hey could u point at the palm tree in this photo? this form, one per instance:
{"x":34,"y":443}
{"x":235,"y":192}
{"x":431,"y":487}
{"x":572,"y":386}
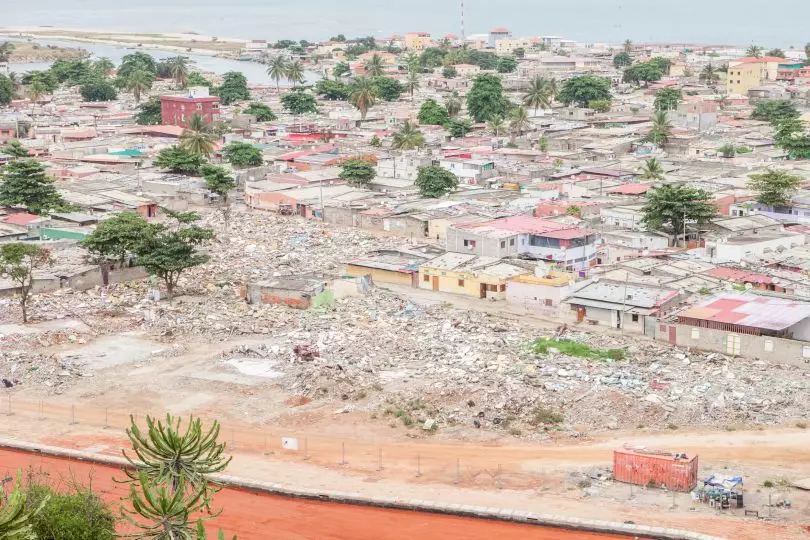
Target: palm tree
{"x":538,"y":95}
{"x":139,"y":82}
{"x":407,"y":138}
{"x":652,"y":170}
{"x":36,"y":90}
{"x":628,"y":46}
{"x":178,"y":69}
{"x":708,"y":74}
{"x":661,"y":129}
{"x":412,"y":62}
{"x":295,"y":72}
{"x":363,"y":96}
{"x":453,"y":104}
{"x":755,"y":51}
{"x":198,"y":137}
{"x":496,"y":125}
{"x":375,"y":66}
{"x":519,"y":120}
{"x":412,"y":84}
{"x":277,"y":69}
{"x":104,"y":66}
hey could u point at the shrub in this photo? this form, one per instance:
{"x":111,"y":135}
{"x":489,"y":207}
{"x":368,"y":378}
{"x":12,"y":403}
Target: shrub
{"x":543,"y":415}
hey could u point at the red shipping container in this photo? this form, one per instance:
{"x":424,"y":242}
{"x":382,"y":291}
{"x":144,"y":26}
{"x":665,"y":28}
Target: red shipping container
{"x":661,"y":470}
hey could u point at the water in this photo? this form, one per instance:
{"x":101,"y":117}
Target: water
{"x":775,"y":24}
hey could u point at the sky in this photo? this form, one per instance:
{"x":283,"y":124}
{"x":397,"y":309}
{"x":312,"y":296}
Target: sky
{"x":738,"y":22}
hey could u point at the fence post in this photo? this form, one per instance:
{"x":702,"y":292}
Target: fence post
{"x":9,"y":413}
{"x":306,"y":450}
{"x":343,"y":453}
{"x":498,"y":482}
{"x":41,"y":410}
{"x":458,"y":471}
{"x":106,"y":418}
{"x":379,"y":460}
{"x":418,"y":466}
{"x":72,"y":415}
{"x":233,"y":439}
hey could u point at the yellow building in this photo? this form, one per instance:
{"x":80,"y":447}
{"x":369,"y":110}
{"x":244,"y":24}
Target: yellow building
{"x":751,"y":72}
{"x":469,"y":275}
{"x":418,"y":41}
{"x":395,"y":266}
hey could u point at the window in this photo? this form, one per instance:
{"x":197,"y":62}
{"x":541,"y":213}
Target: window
{"x":503,"y":287}
{"x":461,"y":283}
{"x":511,"y":241}
{"x":695,"y":333}
{"x":426,"y":278}
{"x":503,"y":243}
{"x":548,"y":302}
{"x":635,"y":317}
{"x":469,"y":243}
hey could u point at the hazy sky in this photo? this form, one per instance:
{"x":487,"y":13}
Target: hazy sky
{"x":777,"y":23}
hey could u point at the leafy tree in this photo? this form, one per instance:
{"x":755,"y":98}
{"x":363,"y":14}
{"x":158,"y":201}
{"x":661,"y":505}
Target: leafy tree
{"x":449,"y":72}
{"x":98,"y":90}
{"x":661,"y":129}
{"x":459,"y":127}
{"x":6,"y":48}
{"x":486,"y":98}
{"x":375,"y":67}
{"x":295,"y":73}
{"x":388,"y":89}
{"x":539,"y":94}
{"x":178,"y":70}
{"x":664,"y":64}
{"x":6,"y":90}
{"x":645,"y":72}
{"x":46,"y":78}
{"x":727,"y":150}
{"x":73,"y":72}
{"x":496,"y":125}
{"x":139,"y":82}
{"x":432,"y":57}
{"x":114,"y":239}
{"x":340,"y":38}
{"x":79,"y":515}
{"x":407,"y":138}
{"x":179,"y":160}
{"x":791,"y":137}
{"x":26,"y":183}
{"x":262,"y":112}
{"x":628,"y":46}
{"x":412,"y":84}
{"x":432,"y":113}
{"x":507,"y":65}
{"x":600,"y":105}
{"x":358,"y":172}
{"x":574,"y":211}
{"x":363,"y":95}
{"x":774,"y":111}
{"x":652,"y":170}
{"x":542,"y":144}
{"x":14,"y":148}
{"x":198,"y":137}
{"x":240,"y":154}
{"x":277,"y":70}
{"x":196,"y":79}
{"x":218,"y":181}
{"x":332,"y":90}
{"x":709,"y":74}
{"x":755,"y":51}
{"x":375,"y":142}
{"x":622,"y":59}
{"x":434,"y":181}
{"x":453,"y":104}
{"x":341,"y":69}
{"x":137,"y":61}
{"x":779,"y":53}
{"x":671,"y":206}
{"x":520,"y":52}
{"x":774,"y":187}
{"x":667,"y":99}
{"x":298,"y":103}
{"x":15,"y":514}
{"x":19,"y":260}
{"x":35,"y":91}
{"x":233,"y":88}
{"x":583,"y":89}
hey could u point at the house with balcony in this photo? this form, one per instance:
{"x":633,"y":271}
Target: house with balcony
{"x":469,"y":171}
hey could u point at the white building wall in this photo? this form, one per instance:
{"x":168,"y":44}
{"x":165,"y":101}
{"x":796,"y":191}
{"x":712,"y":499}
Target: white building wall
{"x":720,"y":251}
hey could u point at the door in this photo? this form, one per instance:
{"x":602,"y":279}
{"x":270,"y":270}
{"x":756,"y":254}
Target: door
{"x":618,"y":320}
{"x":483,"y":290}
{"x":435,"y":283}
{"x":733,"y":344}
{"x":580,"y":314}
{"x":673,"y":337}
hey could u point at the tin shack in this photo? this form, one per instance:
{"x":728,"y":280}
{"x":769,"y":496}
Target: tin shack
{"x":655,"y":468}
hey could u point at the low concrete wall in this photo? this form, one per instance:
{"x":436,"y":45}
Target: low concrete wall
{"x":773,"y":349}
{"x":81,"y":281}
{"x":545,"y":520}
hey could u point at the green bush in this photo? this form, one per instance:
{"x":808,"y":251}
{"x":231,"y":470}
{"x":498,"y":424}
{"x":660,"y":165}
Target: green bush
{"x":543,"y":415}
{"x":81,"y":515}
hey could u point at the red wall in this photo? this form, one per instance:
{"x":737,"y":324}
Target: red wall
{"x":177,"y":111}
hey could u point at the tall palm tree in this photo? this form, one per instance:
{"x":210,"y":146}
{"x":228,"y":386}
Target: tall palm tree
{"x":538,"y":95}
{"x":628,"y":46}
{"x":519,"y":120}
{"x":497,"y":125}
{"x":754,"y":50}
{"x":412,"y":84}
{"x":553,"y":87}
{"x":375,"y":67}
{"x":708,"y":74}
{"x":198,"y":137}
{"x":277,"y":69}
{"x":295,"y":72}
{"x":139,"y":82}
{"x":407,"y":138}
{"x":36,"y":90}
{"x":178,"y":69}
{"x":453,"y":104}
{"x":104,"y":66}
{"x":363,"y":96}
{"x":661,"y":129}
{"x":652,"y":170}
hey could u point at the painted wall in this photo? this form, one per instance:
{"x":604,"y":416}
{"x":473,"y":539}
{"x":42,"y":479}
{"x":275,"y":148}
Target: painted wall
{"x":379,"y":275}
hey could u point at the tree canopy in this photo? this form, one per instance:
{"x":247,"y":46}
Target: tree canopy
{"x":262,"y":112}
{"x":75,"y":515}
{"x":661,"y":129}
{"x":774,"y":187}
{"x":363,"y":95}
{"x":485,"y":99}
{"x":667,"y":207}
{"x":388,"y":89}
{"x":14,"y":148}
{"x":407,"y":138}
{"x":179,"y":160}
{"x":432,"y":113}
{"x":358,"y":172}
{"x":19,"y":260}
{"x":622,"y":59}
{"x":137,"y":61}
{"x":240,"y":154}
{"x":434,"y":181}
{"x":98,"y":90}
{"x":643,"y":72}
{"x":218,"y":181}
{"x":233,"y":88}
{"x":298,"y":103}
{"x":332,"y":90}
{"x":792,"y":137}
{"x":26,"y":183}
{"x":459,"y":127}
{"x":149,"y":113}
{"x":667,"y":99}
{"x":507,"y":65}
{"x":6,"y":90}
{"x":774,"y":111}
{"x":583,"y":89}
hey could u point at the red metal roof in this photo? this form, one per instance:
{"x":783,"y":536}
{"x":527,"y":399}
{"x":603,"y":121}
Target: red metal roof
{"x":21,"y":219}
{"x":760,"y":60}
{"x":738,"y":275}
{"x":630,"y":189}
{"x":749,"y":310}
{"x":301,"y":153}
{"x":535,"y":226}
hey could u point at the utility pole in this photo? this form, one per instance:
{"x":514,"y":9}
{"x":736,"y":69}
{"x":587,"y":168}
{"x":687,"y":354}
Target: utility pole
{"x":463,"y":36}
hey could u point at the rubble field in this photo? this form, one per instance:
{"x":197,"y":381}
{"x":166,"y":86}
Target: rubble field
{"x":406,"y":363}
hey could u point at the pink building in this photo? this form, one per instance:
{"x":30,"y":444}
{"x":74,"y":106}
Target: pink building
{"x":178,"y":110}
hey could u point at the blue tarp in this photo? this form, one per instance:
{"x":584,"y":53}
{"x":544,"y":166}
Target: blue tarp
{"x":723,"y":481}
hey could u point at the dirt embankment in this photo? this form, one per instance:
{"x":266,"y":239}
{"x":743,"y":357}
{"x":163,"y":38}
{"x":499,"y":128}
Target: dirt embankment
{"x":35,"y":52}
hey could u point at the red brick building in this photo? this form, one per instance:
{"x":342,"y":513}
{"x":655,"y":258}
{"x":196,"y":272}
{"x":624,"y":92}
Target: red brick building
{"x":177,"y":110}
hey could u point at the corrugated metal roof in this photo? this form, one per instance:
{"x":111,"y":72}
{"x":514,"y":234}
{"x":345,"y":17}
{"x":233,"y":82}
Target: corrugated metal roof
{"x":751,"y":310}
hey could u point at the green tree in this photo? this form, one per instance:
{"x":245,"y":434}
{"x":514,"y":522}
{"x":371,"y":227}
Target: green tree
{"x":755,"y":51}
{"x":774,"y":111}
{"x":240,"y":154}
{"x":432,"y":57}
{"x":519,"y":120}
{"x":341,"y":69}
{"x":375,"y":142}
{"x":459,"y":127}
{"x":14,"y":148}
{"x":652,"y":170}
{"x":622,"y":59}
{"x":774,"y":187}
{"x":496,"y":125}
{"x":574,"y":211}
{"x":198,"y":137}
{"x":807,"y":51}
{"x":262,"y":112}
{"x":672,"y":206}
{"x":661,"y":129}
{"x":6,"y":90}
{"x":709,"y":74}
{"x":792,"y":137}
{"x":98,"y":90}
{"x":388,"y":89}
{"x":375,"y":67}
{"x":15,"y":514}
{"x":77,"y":515}
{"x":600,"y":105}
{"x":727,"y":150}
{"x":485,"y":99}
{"x":434,"y":181}
{"x":643,"y":72}
{"x":332,"y":90}
{"x":628,"y":46}
{"x":218,"y":181}
{"x":26,"y":183}
{"x":137,"y":61}
{"x":358,"y":172}
{"x":114,"y":239}
{"x":412,"y":84}
{"x":583,"y":89}
{"x":46,"y":78}
{"x":432,"y":113}
{"x":453,"y":104}
{"x":520,"y":52}
{"x":363,"y":95}
{"x":538,"y":95}
{"x":179,"y":160}
{"x":449,"y":72}
{"x":19,"y":260}
{"x":178,"y":70}
{"x":73,"y":72}
{"x":35,"y":91}
{"x":778,"y":53}
{"x":103,"y":67}
{"x":298,"y":103}
{"x":233,"y":88}
{"x":138,"y":82}
{"x":6,"y":48}
{"x":407,"y":138}
{"x":196,"y":79}
{"x":667,"y":99}
{"x":507,"y":65}
{"x":295,"y":73}
{"x":664,"y":64}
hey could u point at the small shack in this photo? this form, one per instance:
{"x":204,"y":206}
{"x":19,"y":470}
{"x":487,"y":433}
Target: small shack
{"x":655,"y":468}
{"x":292,"y":292}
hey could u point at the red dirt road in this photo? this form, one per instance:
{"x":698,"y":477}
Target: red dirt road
{"x":259,"y":516}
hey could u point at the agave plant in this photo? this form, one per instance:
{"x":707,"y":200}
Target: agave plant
{"x":15,"y":518}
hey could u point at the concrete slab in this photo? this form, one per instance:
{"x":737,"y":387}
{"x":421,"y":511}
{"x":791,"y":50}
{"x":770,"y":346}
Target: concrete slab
{"x":111,"y":351}
{"x":58,"y":325}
